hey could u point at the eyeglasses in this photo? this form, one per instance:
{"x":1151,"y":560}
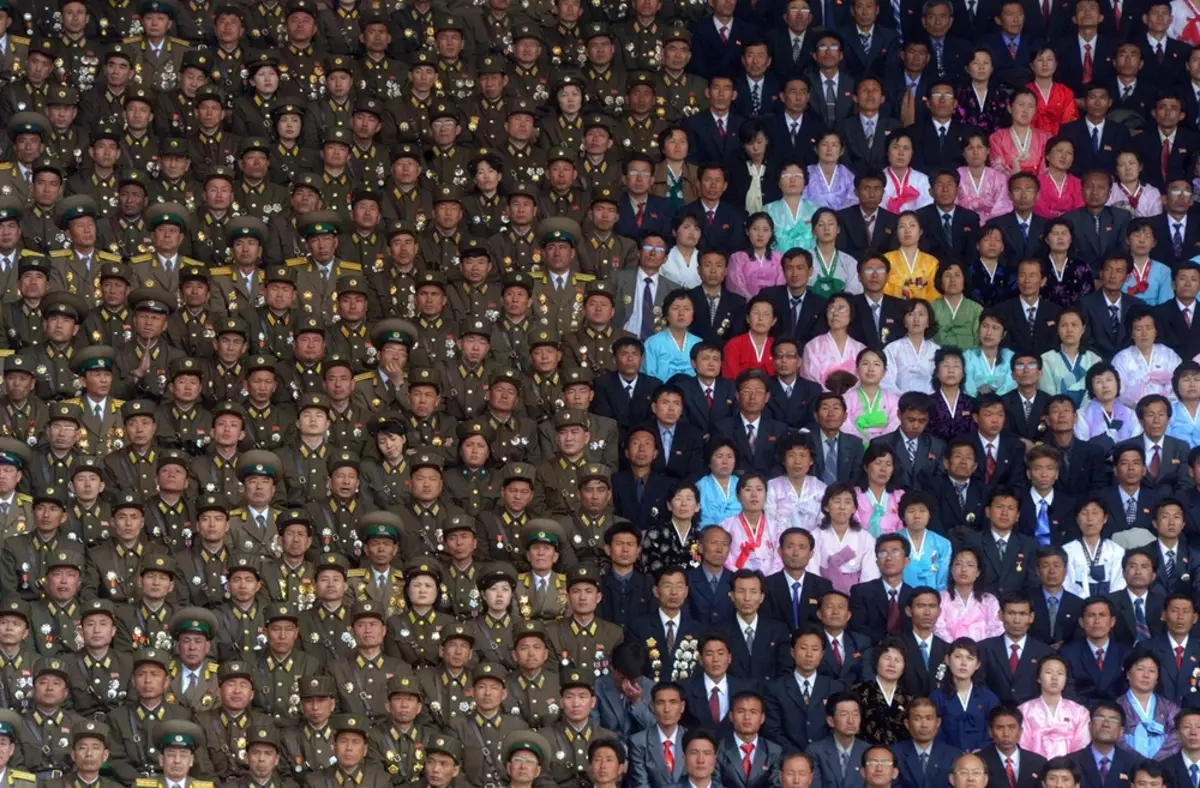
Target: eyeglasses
{"x":800,"y":11}
{"x":941,"y":94}
{"x":787,"y":355}
{"x":1107,"y":720}
{"x":639,"y":173}
{"x":875,"y":270}
{"x":1180,"y":192}
{"x":792,"y":176}
{"x":652,"y":248}
{"x":893,"y":553}
{"x":1025,"y":367}
{"x":829,"y":47}
{"x":971,"y":772}
{"x":875,"y":763}
{"x":524,"y":760}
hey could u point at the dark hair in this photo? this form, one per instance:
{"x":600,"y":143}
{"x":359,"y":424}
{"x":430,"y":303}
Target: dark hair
{"x":833,"y":490}
{"x":916,"y":498}
{"x":911,"y":306}
{"x":1096,"y":600}
{"x":1151,"y":399}
{"x":884,"y":645}
{"x":945,"y":266}
{"x":941,"y":354}
{"x":607,"y":743}
{"x":716,"y":442}
{"x":1136,"y":656}
{"x":833,"y":701}
{"x":755,"y":217}
{"x":979,"y":588}
{"x":898,"y":539}
{"x":630,"y":661}
{"x":1005,"y":711}
{"x":971,"y":647}
{"x":874,"y":452}
{"x":1050,"y":551}
{"x":1097,"y":369}
{"x":750,"y":476}
{"x":700,"y":734}
{"x":678,"y":294}
{"x":915,"y":400}
{"x":625,"y":342}
{"x":1149,"y":555}
{"x":697,"y":349}
{"x":797,"y":531}
{"x":1187,"y":367}
{"x":1062,"y":763}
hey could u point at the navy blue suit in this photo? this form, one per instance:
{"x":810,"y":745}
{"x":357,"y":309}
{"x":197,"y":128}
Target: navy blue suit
{"x":1114,"y":138}
{"x":764,"y":456}
{"x":772,"y":648}
{"x":769,"y":90}
{"x":1122,"y":766}
{"x":613,"y":400}
{"x":729,"y":321}
{"x":1148,"y":146}
{"x":1012,"y":690}
{"x":1002,"y":58}
{"x":725,"y":232}
{"x":707,"y":142}
{"x":1060,"y":512}
{"x":778,"y":604}
{"x":796,"y":410}
{"x":1066,"y":624}
{"x":1070,"y":63}
{"x":812,"y":314}
{"x":695,"y":405}
{"x":687,"y":452}
{"x":857,"y":664}
{"x":651,"y":626}
{"x":628,"y":600}
{"x":658,"y":488}
{"x":705,"y":605}
{"x":869,"y":608}
{"x":697,"y":714}
{"x":712,"y":56}
{"x":779,"y":132}
{"x":656,"y":217}
{"x":1092,"y":682}
{"x":791,"y":722}
{"x":1174,"y":682}
{"x":936,"y":772}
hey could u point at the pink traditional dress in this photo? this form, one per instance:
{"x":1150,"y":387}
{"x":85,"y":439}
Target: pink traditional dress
{"x":822,"y":358}
{"x":795,"y":509}
{"x":879,"y":515}
{"x":905,"y":194}
{"x":1054,"y":200}
{"x":748,"y":275}
{"x":753,"y":546}
{"x":1054,"y":733}
{"x":987,"y":197}
{"x":1185,"y":22}
{"x":871,"y":417}
{"x":975,"y":618}
{"x":1054,"y":108}
{"x":846,"y":561}
{"x":1006,"y":145}
{"x":1143,"y":201}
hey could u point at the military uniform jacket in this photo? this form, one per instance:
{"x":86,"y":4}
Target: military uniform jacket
{"x":139,"y":152}
{"x":402,"y":753}
{"x":372,"y":776}
{"x":485,"y":216}
{"x":102,"y":190}
{"x":209,"y":151}
{"x":189,"y":430}
{"x":265,"y":200}
{"x":55,"y":627}
{"x":436,"y":341}
{"x":592,"y":349}
{"x":365,"y":248}
{"x":317,"y":294}
{"x":21,"y":95}
{"x":192,"y":332}
{"x":154,"y":384}
{"x":362,"y":684}
{"x":585,"y":535}
{"x":573,"y":204}
{"x":474,"y":491}
{"x":602,"y":446}
{"x":13,"y":183}
{"x":174,"y":115}
{"x":93,"y":521}
{"x":157,"y":69}
{"x":140,"y":627}
{"x":50,"y":468}
{"x":111,"y":572}
{"x":513,"y":250}
{"x":353,"y":343}
{"x":415,"y":638}
{"x":135,"y":753}
{"x":494,"y":639}
{"x":171,"y":523}
{"x":45,"y":740}
{"x":16,"y":676}
{"x":68,"y":146}
{"x":39,"y":230}
{"x":55,"y":380}
{"x":482,"y":300}
{"x":202,"y":695}
{"x":327,"y":634}
{"x":466,"y":390}
{"x":305,"y":749}
{"x":249,"y":536}
{"x":307,"y":470}
{"x":240,"y":631}
{"x":500,"y":530}
{"x":547,"y":604}
{"x":287,"y":161}
{"x":251,"y":118}
{"x":527,"y":163}
{"x":563,"y":133}
{"x":270,"y":333}
{"x":24,"y":422}
{"x":80,"y":274}
{"x":373,"y":393}
{"x":277,"y":684}
{"x":535,"y":698}
{"x":21,"y":562}
{"x":105,"y":327}
{"x":516,"y":439}
{"x":226,"y":738}
{"x":542,"y":395}
{"x":22,"y":323}
{"x":510,"y":342}
{"x":414,"y":206}
{"x":556,"y":491}
{"x":131,"y":234}
{"x":335,"y":522}
{"x":235,"y":293}
{"x":186,"y":191}
{"x":103,"y":435}
{"x":271,"y":427}
{"x":606,"y":172}
{"x":389,"y":485}
{"x":217,"y":475}
{"x":384,"y":589}
{"x":588,"y":647}
{"x":130,"y":470}
{"x":199,"y":576}
{"x":382,"y":79}
{"x":569,"y":751}
{"x":483,"y":756}
{"x":447,"y":697}
{"x":641,"y":136}
{"x":285,"y":583}
{"x":98,"y":686}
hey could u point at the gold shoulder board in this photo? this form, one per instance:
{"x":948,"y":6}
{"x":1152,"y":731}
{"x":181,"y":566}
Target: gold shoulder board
{"x":16,"y":775}
{"x":222,"y":271}
{"x":56,"y":254}
{"x":358,"y":573}
{"x":141,"y":258}
{"x":107,"y":257}
{"x":362,"y":377}
{"x":296,"y":261}
{"x":352,"y":266}
{"x":585,"y":277}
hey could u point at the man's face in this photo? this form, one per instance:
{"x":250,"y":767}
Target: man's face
{"x":700,"y":756}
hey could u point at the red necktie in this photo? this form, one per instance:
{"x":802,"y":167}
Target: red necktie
{"x":721,"y":128}
{"x":1012,"y":49}
{"x":669,"y":756}
{"x":893,"y":614}
{"x":1087,"y":63}
{"x":1008,"y":770}
{"x":747,"y":750}
{"x":990,"y":466}
{"x":1100,"y":658}
{"x":1117,"y":13}
{"x":1166,"y":156}
{"x":708,"y":395}
{"x":1046,"y":12}
{"x":1155,"y":462}
{"x":1178,"y":657}
{"x":714,"y":705}
{"x":837,"y":653}
{"x":641,"y":211}
{"x":724,"y":34}
{"x":711,"y":215}
{"x":1014,"y":659}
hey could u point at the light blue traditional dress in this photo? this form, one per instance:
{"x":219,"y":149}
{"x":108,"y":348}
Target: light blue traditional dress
{"x":1150,"y":731}
{"x":981,"y":372}
{"x":666,"y":357}
{"x":1152,"y":284}
{"x":928,"y":565}
{"x":792,"y":229}
{"x":717,"y":504}
{"x":1064,"y":375}
{"x":1185,"y":425}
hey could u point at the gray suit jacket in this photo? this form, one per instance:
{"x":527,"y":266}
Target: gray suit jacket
{"x":627,"y":291}
{"x":828,"y":771}
{"x":616,"y":714}
{"x":648,"y":767}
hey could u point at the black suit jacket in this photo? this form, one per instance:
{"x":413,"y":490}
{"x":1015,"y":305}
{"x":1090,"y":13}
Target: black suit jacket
{"x":687,"y":452}
{"x":772,"y":655}
{"x":1126,"y":628}
{"x":950,"y":513}
{"x":1016,"y":571}
{"x":764,"y":456}
{"x":790,"y":721}
{"x":935,"y":152}
{"x":857,"y":664}
{"x":1149,"y":146}
{"x":849,"y":455}
{"x":862,"y":325}
{"x":730,"y":319}
{"x":724,"y":232}
{"x":1187,"y":562}
{"x":658,"y":489}
{"x":1018,"y":245}
{"x":613,"y":401}
{"x":1066,"y":625}
{"x":1174,"y":682}
{"x":695,"y":405}
{"x":1070,"y":62}
{"x":1101,"y":336}
{"x":627,"y":601}
{"x":1113,"y":224}
{"x":1172,"y":477}
{"x":1029,"y":43}
{"x":860,"y":156}
{"x":1012,"y":690}
{"x":1085,"y":468}
{"x":869,"y":608}
{"x":1010,"y":461}
{"x":779,"y":133}
{"x":650,"y":626}
{"x":1033,"y":428}
{"x":919,"y":677}
{"x":697,"y":713}
{"x":885,"y":46}
{"x":1089,"y":679}
{"x":1172,"y":71}
{"x":769,"y":92}
{"x":853,"y":238}
{"x":1043,"y":335}
{"x":1174,"y":330}
{"x":703,"y":605}
{"x":778,"y":604}
{"x":707,"y":142}
{"x":956,"y":51}
{"x":961,"y":244}
{"x":1141,"y":100}
{"x":1114,"y":137}
{"x":1032,"y":766}
{"x":779,"y":44}
{"x":1147,"y":500}
{"x":712,"y":56}
{"x":1123,"y":764}
{"x":796,"y":410}
{"x":1164,"y":229}
{"x":928,"y":465}
{"x":812,"y":314}
{"x":1176,"y":771}
{"x":1060,"y":512}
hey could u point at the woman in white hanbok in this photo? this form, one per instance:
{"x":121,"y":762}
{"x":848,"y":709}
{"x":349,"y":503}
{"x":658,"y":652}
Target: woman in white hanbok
{"x":1093,"y":562}
{"x":910,"y":358}
{"x":1145,"y":367}
{"x":795,"y":498}
{"x":683,"y":261}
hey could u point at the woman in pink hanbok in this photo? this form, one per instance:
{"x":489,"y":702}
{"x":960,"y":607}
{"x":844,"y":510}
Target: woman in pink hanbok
{"x":1129,"y":192}
{"x":982,"y":189}
{"x":1145,"y":367}
{"x":967,"y":610}
{"x":1059,"y":191}
{"x":1020,"y":147}
{"x":754,"y":538}
{"x":1056,"y":101}
{"x":878,"y":502}
{"x":871,"y":411}
{"x":843,"y":553}
{"x":1054,"y":726}
{"x":830,"y":184}
{"x":794,"y":499}
{"x":833,"y":351}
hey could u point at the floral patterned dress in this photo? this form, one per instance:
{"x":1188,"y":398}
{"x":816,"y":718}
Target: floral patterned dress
{"x":665,"y":545}
{"x":795,"y":509}
{"x":1067,"y":285}
{"x":989,"y":288}
{"x":988,"y":113}
{"x":949,"y":420}
{"x":883,"y":722}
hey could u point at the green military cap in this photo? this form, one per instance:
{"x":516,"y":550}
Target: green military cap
{"x":343,"y":459}
{"x":186,"y":366}
{"x":504,"y":375}
{"x":73,"y":207}
{"x":430,"y":278}
{"x":400,"y":227}
{"x":601,"y":287}
{"x":14,"y":452}
{"x":560,"y":154}
{"x":156,"y":7}
{"x":280,"y":273}
{"x":128,"y":500}
{"x":167,"y":213}
{"x":380,"y":524}
{"x":458,"y":522}
{"x":11,"y":724}
{"x":577,"y":376}
{"x":245,"y":562}
{"x":372,"y":16}
{"x":480,"y":427}
{"x":521,"y":471}
{"x":526,"y":740}
{"x":543,"y":530}
{"x":498,"y":572}
{"x":193,"y":273}
{"x":338,"y":361}
{"x":521,"y":107}
{"x":528,"y":629}
{"x":639,"y":78}
{"x":308,"y":180}
{"x":425,"y":57}
{"x":337,"y":134}
{"x":475,"y":326}
{"x":543,"y":336}
{"x":105,"y":131}
{"x":261,"y":734}
{"x":261,"y":361}
{"x":137,"y":94}
{"x":61,"y":411}
{"x":14,"y":606}
{"x":172,"y":457}
{"x":583,"y":573}
{"x":471,"y":247}
{"x":574,"y":677}
{"x":51,"y":493}
{"x":231,"y":325}
{"x":423,"y":566}
{"x":677,"y":33}
{"x":339,"y":63}
{"x":597,"y":120}
{"x":28,"y":123}
{"x":230,"y":8}
{"x":235,"y":669}
{"x":335,"y":561}
{"x":254,"y":144}
{"x":135,"y":177}
{"x":116,"y":271}
{"x":560,"y":228}
{"x":67,"y":556}
{"x":137,"y":407}
{"x":55,"y":666}
{"x":193,"y":619}
{"x":492,"y":65}
{"x":518,"y":279}
{"x":446,"y":745}
{"x":527,"y":31}
{"x":151,"y":299}
{"x":570,"y":417}
{"x":369,"y":105}
{"x":568,"y":78}
{"x":403,"y":684}
{"x":11,"y":209}
{"x":179,"y":733}
{"x":596,"y":30}
{"x":41,"y":45}
{"x":292,"y":105}
{"x":97,"y":607}
{"x":246,"y":227}
{"x":258,"y":462}
{"x":521,"y":189}
{"x":424,"y":376}
{"x":320,"y":223}
{"x":604,"y":194}
{"x":447,"y":192}
{"x":386,"y":423}
{"x":317,"y":687}
{"x":289,"y":516}
{"x":220,"y":173}
{"x":157,"y":561}
{"x":24,"y":361}
{"x":151,"y":656}
{"x":263,"y":60}
{"x":70,"y":305}
{"x":313,"y":400}
{"x":209,"y":93}
{"x":425,"y":459}
{"x":309,"y":325}
{"x":351,"y":283}
{"x":458,"y":631}
{"x":449,"y":22}
{"x":47,"y":164}
{"x":280,"y":611}
{"x":368,"y":608}
{"x":211,"y":503}
{"x":593,"y":471}
{"x":489,"y":670}
{"x":351,"y":723}
{"x":393,"y":330}
{"x":407,"y":150}
{"x":86,"y":462}
{"x":443,"y":109}
{"x":62,"y":96}
{"x":197,"y":59}
{"x":35,"y":262}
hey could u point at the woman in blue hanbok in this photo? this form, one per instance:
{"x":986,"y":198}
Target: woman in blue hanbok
{"x":1105,"y":414}
{"x":964,"y":703}
{"x":669,"y":352}
{"x":792,"y":213}
{"x":1064,"y":371}
{"x":952,"y":414}
{"x":1149,"y":717}
{"x":718,"y":490}
{"x":1185,"y":417}
{"x":929,"y":560}
{"x":989,"y":366}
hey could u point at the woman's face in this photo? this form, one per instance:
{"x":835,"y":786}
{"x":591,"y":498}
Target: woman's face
{"x":1053,"y":677}
{"x":761,"y":318}
{"x":871,"y":369}
{"x":760,"y":233}
{"x":1143,"y":676}
{"x":829,"y":149}
{"x":879,"y":472}
{"x":684,"y":504}
{"x":908,"y":231}
{"x":792,"y":181}
{"x":841,"y":507}
{"x":991,"y":333}
{"x":990,"y":244}
{"x":891,"y":665}
{"x":1059,"y":238}
{"x":797,"y":462}
{"x":1104,"y":387}
{"x":950,"y":371}
{"x":1144,"y":333}
{"x":963,"y":664}
{"x":980,"y":67}
{"x":1044,"y":65}
{"x":1022,"y":109}
{"x":1070,"y":329}
{"x":826,"y":228}
{"x":680,"y":314}
{"x":953,"y":281}
{"x":1091,"y":520}
{"x":756,"y":148}
{"x":487,"y":178}
{"x":753,"y":495}
{"x":688,"y":235}
{"x":1061,"y":156}
{"x":675,"y":147}
{"x":965,"y":569}
{"x":1129,"y":169}
{"x":976,"y":152}
{"x":917,"y":321}
{"x":722,"y":462}
{"x":900,"y":153}
{"x":837,"y":314}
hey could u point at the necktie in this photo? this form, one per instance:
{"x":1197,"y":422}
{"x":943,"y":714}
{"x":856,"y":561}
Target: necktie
{"x":837,"y":653}
{"x":755,"y":99}
{"x":845,"y":762}
{"x":925,"y":653}
{"x":971,"y":10}
{"x":641,"y":212}
{"x":1012,"y":49}
{"x":1194,"y":771}
{"x":714,"y":705}
{"x":1042,"y":532}
{"x":938,"y":63}
{"x":1095,"y":139}
{"x":669,"y":755}
{"x":1052,"y":610}
{"x":724,"y":34}
{"x":1127,"y":93}
{"x":806,"y":692}
{"x":1087,"y":63}
{"x":876,"y":310}
{"x":869,"y":222}
{"x":721,"y":127}
{"x":381,"y":579}
{"x":1031,"y":316}
{"x":713,"y":303}
{"x":947,"y":223}
{"x":869,"y":131}
{"x":1046,"y":12}
{"x":942,"y":144}
{"x":29,"y":176}
{"x":1177,"y":239}
{"x":747,"y":751}
{"x":1139,"y":615}
{"x":260,"y":520}
{"x":796,"y":604}
{"x":796,"y":304}
{"x":893,"y":613}
{"x":961,"y":489}
{"x":670,"y":637}
{"x":710,"y":215}
{"x":1096,"y":226}
{"x":910,"y":444}
{"x":1155,"y":462}
{"x":830,"y":100}
{"x":1014,"y":659}
{"x":1166,"y":156}
{"x":666,"y":443}
{"x":1104,"y":769}
{"x":924,"y":759}
{"x":990,"y":466}
{"x":1178,"y":657}
{"x":1117,"y":12}
{"x":1187,"y":316}
{"x":1025,"y":230}
{"x":541,"y":585}
{"x":795,"y":49}
{"x":629,"y":390}
{"x":1008,"y":771}
{"x":1028,"y":406}
{"x":1158,"y":52}
{"x":1130,"y":510}
{"x":97,"y":412}
{"x":750,"y":436}
{"x":708,"y":395}
{"x":647,"y":328}
{"x":749,"y":633}
{"x":189,"y":679}
{"x":1001,"y":546}
{"x":795,"y":132}
{"x":830,"y":475}
{"x":713,"y":583}
{"x":638,"y":487}
{"x":1114,"y":317}
{"x":1170,"y":567}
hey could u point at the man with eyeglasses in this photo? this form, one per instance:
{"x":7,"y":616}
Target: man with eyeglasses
{"x":879,"y":767}
{"x":877,"y":607}
{"x":1095,"y":764}
{"x":641,"y":292}
{"x":791,"y":46}
{"x":1177,"y":228}
{"x":831,"y":82}
{"x":640,"y":211}
{"x":937,"y":137}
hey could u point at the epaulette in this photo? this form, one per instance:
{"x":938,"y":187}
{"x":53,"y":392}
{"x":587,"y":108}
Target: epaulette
{"x":57,"y":254}
{"x":238,"y":512}
{"x":363,"y":573}
{"x":210,"y":670}
{"x":183,"y":42}
{"x":150,"y":782}
{"x":23,"y":498}
{"x":118,"y":402}
{"x":5,"y":166}
{"x":293,"y":262}
{"x":200,"y":784}
{"x":75,"y":401}
{"x":192,"y":261}
{"x":133,"y":40}
{"x":108,"y":257}
{"x":21,"y":40}
{"x":352,"y":266}
{"x":5,"y":353}
{"x":542,"y":279}
{"x":585,"y":277}
{"x":141,"y":258}
{"x":222,"y":271}
{"x":362,"y":377}
{"x":16,"y":775}
{"x":30,"y":253}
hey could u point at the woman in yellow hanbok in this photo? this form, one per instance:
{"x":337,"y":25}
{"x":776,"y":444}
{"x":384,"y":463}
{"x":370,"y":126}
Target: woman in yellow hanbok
{"x":912,"y":270}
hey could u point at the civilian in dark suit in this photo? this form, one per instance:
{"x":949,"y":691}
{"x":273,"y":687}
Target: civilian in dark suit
{"x":934,"y":772}
{"x":706,"y":359}
{"x":613,"y":398}
{"x":1177,"y":771}
{"x":794,"y":407}
{"x":1003,"y":58}
{"x":1165,"y":62}
{"x":1151,"y":600}
{"x":1097,"y":140}
{"x":1122,"y":763}
{"x":1149,"y":144}
{"x":918,"y":474}
{"x":755,"y":436}
{"x":1052,"y":570}
{"x":713,"y":134}
{"x":855,"y":240}
{"x":870,"y":602}
{"x":1145,"y":499}
{"x":1178,"y":214}
{"x":799,"y":312}
{"x":727,"y":321}
{"x":938,"y":139}
{"x":906,"y":80}
{"x":1060,"y":511}
{"x":1135,"y":94}
{"x":849,"y":448}
{"x":685,"y":460}
{"x":1014,"y":570}
{"x":624,"y":597}
{"x":1174,"y":330}
{"x":721,"y":222}
{"x":873,"y":272}
{"x":698,"y":688}
{"x":863,"y":154}
{"x":955,"y":508}
{"x":959,"y":244}
{"x":884,"y":43}
{"x":1019,"y":243}
{"x":1029,"y":765}
{"x":1105,"y":335}
{"x":948,"y":54}
{"x":795,"y":607}
{"x":1096,"y":660}
{"x":826,"y":753}
{"x":656,"y":211}
{"x":647,"y":761}
{"x":793,"y":721}
{"x":1002,"y":449}
{"x":1031,"y":428}
{"x":710,"y":584}
{"x":788,"y":60}
{"x":769,"y":88}
{"x":1172,"y":453}
{"x":1013,"y":688}
{"x":1025,"y":336}
{"x":1177,"y":651}
{"x":765,"y":758}
{"x":919,"y":677}
{"x":1178,"y":558}
{"x":637,"y":490}
{"x":712,"y":53}
{"x":800,"y":147}
{"x":830,"y":79}
{"x":670,"y":590}
{"x":768,"y":652}
{"x":1113,"y":221}
{"x":1070,"y":53}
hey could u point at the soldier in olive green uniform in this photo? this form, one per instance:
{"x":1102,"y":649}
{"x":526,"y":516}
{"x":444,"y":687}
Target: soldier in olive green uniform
{"x":305,"y":466}
{"x":481,"y":300}
{"x":541,"y":388}
{"x":494,"y":628}
{"x":603,"y":443}
{"x":142,"y":376}
{"x":183,"y":735}
{"x":200,"y":572}
{"x":516,"y":433}
{"x":309,"y":745}
{"x":400,"y":742}
{"x":139,"y":625}
{"x":559,"y":294}
{"x":270,"y":425}
{"x":191,"y":329}
{"x":226,"y":729}
{"x":585,"y":639}
{"x":387,"y":478}
{"x":446,"y":686}
{"x":414,"y":634}
{"x":351,"y":339}
{"x":99,"y":673}
{"x":374,"y":390}
{"x":509,"y":344}
{"x":10,"y":724}
{"x":24,"y":554}
{"x":325,"y":627}
{"x":16,"y":672}
{"x":93,"y":518}
{"x":111,"y":325}
{"x":533,"y":686}
{"x":586,"y":527}
{"x":559,"y":200}
{"x":460,"y":592}
{"x":237,"y":288}
{"x":473,"y":487}
{"x":683,"y":93}
{"x":280,"y":675}
{"x":103,"y":431}
{"x":135,"y":723}
{"x":53,"y":620}
{"x":262,"y":773}
{"x":134,"y":468}
{"x":340,"y":771}
{"x":271,"y":330}
{"x":378,"y":579}
{"x":541,"y":592}
{"x":251,"y":530}
{"x":240,"y":621}
{"x":484,"y":728}
{"x":502,"y":530}
{"x":571,"y":738}
{"x":154,"y":268}
{"x":602,"y":253}
{"x":24,"y":421}
{"x":435,"y":431}
{"x":591,"y":346}
{"x":111,"y":571}
{"x":45,"y":747}
{"x":558,"y":491}
{"x":362,"y":679}
{"x":77,"y":273}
